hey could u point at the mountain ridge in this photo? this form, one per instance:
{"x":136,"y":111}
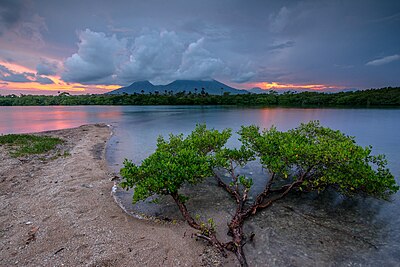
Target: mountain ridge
{"x":212,"y":87}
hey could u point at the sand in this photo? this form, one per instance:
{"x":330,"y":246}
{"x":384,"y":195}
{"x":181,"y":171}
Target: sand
{"x":58,"y":211}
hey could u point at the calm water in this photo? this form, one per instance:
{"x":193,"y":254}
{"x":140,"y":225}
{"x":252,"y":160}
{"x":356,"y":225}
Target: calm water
{"x":353,"y":233}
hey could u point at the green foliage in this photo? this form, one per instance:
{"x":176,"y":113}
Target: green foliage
{"x":384,"y":97}
{"x":208,"y":227}
{"x":307,"y":158}
{"x":176,"y":161}
{"x":25,"y":144}
{"x":239,"y":156}
{"x":316,"y":157}
{"x":320,"y":157}
{"x":245,"y":181}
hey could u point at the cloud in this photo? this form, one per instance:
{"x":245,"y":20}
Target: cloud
{"x":241,"y":73}
{"x":10,"y":14}
{"x":165,"y":56}
{"x":19,"y":24}
{"x":278,"y":21}
{"x":283,"y":45}
{"x":96,"y":59}
{"x":288,"y":41}
{"x":7,"y":75}
{"x":383,"y":61}
{"x":152,"y":56}
{"x":19,"y":78}
{"x":43,"y":80}
{"x":198,"y":63}
{"x":157,"y":56}
{"x":32,"y":30}
{"x":210,"y":31}
{"x":46,"y":68}
{"x":244,"y":77}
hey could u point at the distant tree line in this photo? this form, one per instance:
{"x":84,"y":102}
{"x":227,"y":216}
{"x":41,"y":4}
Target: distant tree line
{"x":384,"y":97}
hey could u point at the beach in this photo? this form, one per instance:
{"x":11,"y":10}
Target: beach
{"x":58,"y":210}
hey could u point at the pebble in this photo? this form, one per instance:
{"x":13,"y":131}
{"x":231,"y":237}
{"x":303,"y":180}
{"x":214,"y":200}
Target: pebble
{"x":28,"y":223}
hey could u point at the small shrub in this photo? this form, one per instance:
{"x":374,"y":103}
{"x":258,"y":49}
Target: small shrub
{"x":26,"y":144}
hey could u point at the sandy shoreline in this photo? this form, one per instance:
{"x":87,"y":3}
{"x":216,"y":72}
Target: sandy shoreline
{"x":60,"y":212}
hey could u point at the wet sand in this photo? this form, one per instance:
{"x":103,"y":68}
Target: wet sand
{"x":58,"y":211}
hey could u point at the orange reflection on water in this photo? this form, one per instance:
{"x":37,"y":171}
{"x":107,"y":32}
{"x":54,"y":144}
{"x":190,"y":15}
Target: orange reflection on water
{"x":274,"y":116}
{"x":37,"y":119}
{"x":29,"y":119}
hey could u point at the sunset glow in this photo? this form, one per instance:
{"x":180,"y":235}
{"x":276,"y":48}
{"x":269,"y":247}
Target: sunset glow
{"x":283,"y":49}
{"x":16,"y":67}
{"x":287,"y":86}
{"x":57,"y":85}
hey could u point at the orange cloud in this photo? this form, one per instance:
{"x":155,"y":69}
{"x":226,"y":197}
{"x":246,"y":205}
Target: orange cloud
{"x":287,"y":86}
{"x":16,"y":67}
{"x":57,"y":85}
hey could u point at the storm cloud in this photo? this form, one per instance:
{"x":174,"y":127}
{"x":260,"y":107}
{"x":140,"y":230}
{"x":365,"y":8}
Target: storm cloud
{"x":10,"y":14}
{"x":157,"y":56}
{"x":336,"y":43}
{"x":96,"y":59}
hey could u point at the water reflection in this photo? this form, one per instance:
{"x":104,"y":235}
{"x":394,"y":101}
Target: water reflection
{"x":36,"y":119}
{"x":313,"y":230}
{"x":302,"y":230}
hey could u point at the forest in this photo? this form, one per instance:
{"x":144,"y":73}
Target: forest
{"x":384,"y":97}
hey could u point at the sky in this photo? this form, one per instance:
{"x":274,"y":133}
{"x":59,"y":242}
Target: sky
{"x":93,"y":46}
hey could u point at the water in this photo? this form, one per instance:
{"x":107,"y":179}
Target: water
{"x":299,"y":231}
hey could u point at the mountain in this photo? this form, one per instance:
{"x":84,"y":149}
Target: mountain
{"x":135,"y":87}
{"x":212,"y":87}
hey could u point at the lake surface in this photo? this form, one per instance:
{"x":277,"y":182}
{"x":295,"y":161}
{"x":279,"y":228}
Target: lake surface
{"x":300,"y":231}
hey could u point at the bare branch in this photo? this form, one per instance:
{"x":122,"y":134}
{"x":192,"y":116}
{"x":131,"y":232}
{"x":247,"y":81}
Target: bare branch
{"x":260,"y":201}
{"x":203,"y":236}
{"x":185,"y":213}
{"x":232,"y":192}
{"x":234,"y":177}
{"x":213,"y":240}
{"x":260,"y":197}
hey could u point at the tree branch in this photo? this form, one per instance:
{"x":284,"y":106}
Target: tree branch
{"x":211,"y":238}
{"x":272,"y":200}
{"x":214,"y":241}
{"x":227,"y":188}
{"x":260,"y":197}
{"x":185,"y":213}
{"x":234,"y":177}
{"x":260,"y":204}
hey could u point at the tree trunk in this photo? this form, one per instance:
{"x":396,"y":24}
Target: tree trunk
{"x":211,"y":237}
{"x":237,"y":243}
{"x":240,"y":256}
{"x":185,"y":213}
